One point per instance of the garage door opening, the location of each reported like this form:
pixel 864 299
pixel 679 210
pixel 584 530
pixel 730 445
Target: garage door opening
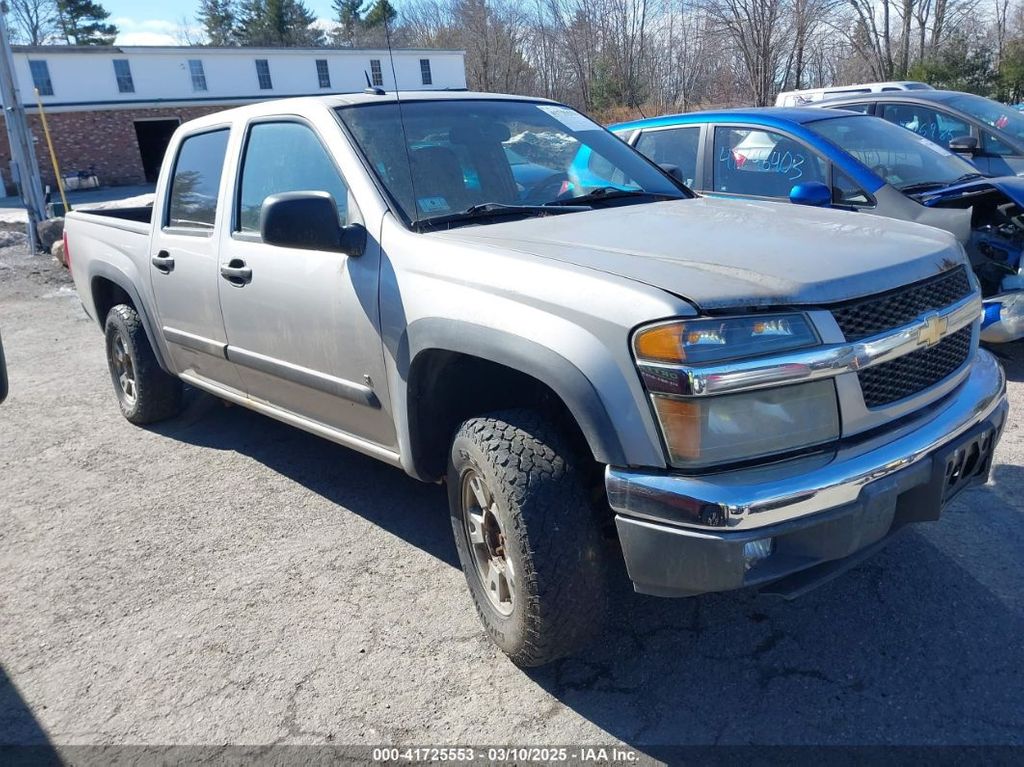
pixel 154 136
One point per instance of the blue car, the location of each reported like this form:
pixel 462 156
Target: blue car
pixel 858 163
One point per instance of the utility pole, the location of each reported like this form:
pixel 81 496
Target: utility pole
pixel 23 153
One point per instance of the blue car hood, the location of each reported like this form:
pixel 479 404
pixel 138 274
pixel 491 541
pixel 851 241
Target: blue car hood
pixel 1011 186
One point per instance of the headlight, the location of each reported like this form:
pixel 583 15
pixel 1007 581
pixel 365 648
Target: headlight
pixel 695 342
pixel 704 431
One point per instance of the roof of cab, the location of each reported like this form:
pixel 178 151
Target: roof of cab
pixel 766 116
pixel 297 105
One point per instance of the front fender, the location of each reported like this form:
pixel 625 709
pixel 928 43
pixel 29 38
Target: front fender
pixel 606 410
pixel 547 366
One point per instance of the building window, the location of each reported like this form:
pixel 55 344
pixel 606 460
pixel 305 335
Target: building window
pixel 263 73
pixel 123 73
pixel 425 72
pixel 376 76
pixel 322 73
pixel 41 77
pixel 195 68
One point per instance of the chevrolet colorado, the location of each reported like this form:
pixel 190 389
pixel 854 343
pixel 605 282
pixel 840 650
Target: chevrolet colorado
pixel 597 362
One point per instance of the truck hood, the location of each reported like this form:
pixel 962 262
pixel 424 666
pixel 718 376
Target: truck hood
pixel 728 253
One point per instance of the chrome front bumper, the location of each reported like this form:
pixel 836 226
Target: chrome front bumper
pixel 719 512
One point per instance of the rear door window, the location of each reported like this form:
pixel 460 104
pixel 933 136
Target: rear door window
pixel 673 146
pixel 762 163
pixel 861 108
pixel 195 184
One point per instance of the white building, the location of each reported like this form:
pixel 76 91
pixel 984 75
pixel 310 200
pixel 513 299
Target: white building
pixel 113 108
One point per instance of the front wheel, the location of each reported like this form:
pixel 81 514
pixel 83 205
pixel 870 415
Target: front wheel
pixel 528 539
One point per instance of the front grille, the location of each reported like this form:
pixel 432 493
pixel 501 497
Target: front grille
pixel 912 373
pixel 870 316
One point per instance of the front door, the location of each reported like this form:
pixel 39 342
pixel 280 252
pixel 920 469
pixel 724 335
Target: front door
pixel 302 325
pixel 750 161
pixel 183 261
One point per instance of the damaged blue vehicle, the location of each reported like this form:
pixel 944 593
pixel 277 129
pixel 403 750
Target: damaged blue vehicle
pixel 855 162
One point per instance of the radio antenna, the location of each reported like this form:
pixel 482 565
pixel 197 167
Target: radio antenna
pixel 373 90
pixel 401 115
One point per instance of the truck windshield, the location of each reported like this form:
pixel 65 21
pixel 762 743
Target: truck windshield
pixel 476 157
pixel 901 157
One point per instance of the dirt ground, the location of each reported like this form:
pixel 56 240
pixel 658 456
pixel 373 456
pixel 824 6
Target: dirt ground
pixel 223 578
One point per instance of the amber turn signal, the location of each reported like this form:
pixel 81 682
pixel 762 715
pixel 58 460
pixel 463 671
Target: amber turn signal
pixel 662 343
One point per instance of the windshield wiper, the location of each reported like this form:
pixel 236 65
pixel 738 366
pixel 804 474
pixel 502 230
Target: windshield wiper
pixel 494 209
pixel 927 186
pixel 612 193
pixel 966 177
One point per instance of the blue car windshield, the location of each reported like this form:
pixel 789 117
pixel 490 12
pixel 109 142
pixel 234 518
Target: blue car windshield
pixel 999 116
pixel 901 157
pixel 446 156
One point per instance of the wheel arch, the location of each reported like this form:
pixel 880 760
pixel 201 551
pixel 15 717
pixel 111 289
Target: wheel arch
pixel 510 370
pixel 109 286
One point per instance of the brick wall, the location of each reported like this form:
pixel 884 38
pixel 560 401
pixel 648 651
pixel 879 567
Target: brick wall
pixel 104 139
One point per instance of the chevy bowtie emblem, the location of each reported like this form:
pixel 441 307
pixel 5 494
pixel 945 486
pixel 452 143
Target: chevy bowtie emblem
pixel 933 330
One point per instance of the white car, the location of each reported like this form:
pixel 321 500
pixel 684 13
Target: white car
pixel 810 95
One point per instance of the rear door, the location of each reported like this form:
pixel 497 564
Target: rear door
pixel 303 325
pixel 183 259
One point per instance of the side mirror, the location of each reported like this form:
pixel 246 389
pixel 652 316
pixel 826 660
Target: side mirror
pixel 3 373
pixel 812 193
pixel 964 144
pixel 673 170
pixel 309 221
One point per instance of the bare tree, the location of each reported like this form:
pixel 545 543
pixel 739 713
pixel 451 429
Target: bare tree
pixel 34 22
pixel 760 30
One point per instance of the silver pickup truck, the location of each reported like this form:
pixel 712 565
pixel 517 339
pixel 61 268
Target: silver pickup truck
pixel 597 362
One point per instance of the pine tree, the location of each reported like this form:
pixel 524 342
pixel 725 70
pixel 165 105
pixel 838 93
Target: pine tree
pixel 286 23
pixel 220 21
pixel 82 22
pixel 382 13
pixel 349 18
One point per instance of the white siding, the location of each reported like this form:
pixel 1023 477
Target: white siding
pixel 86 79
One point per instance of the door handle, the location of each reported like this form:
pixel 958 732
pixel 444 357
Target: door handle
pixel 236 272
pixel 163 262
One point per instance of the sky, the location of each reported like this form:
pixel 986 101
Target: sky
pixel 159 22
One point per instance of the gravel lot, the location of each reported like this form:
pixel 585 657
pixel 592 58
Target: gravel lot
pixel 223 578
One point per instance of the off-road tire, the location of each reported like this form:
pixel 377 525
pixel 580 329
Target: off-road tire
pixel 157 394
pixel 551 529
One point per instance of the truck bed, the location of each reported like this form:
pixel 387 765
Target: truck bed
pixel 115 238
pixel 142 213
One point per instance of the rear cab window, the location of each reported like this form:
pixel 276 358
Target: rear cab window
pixel 195 182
